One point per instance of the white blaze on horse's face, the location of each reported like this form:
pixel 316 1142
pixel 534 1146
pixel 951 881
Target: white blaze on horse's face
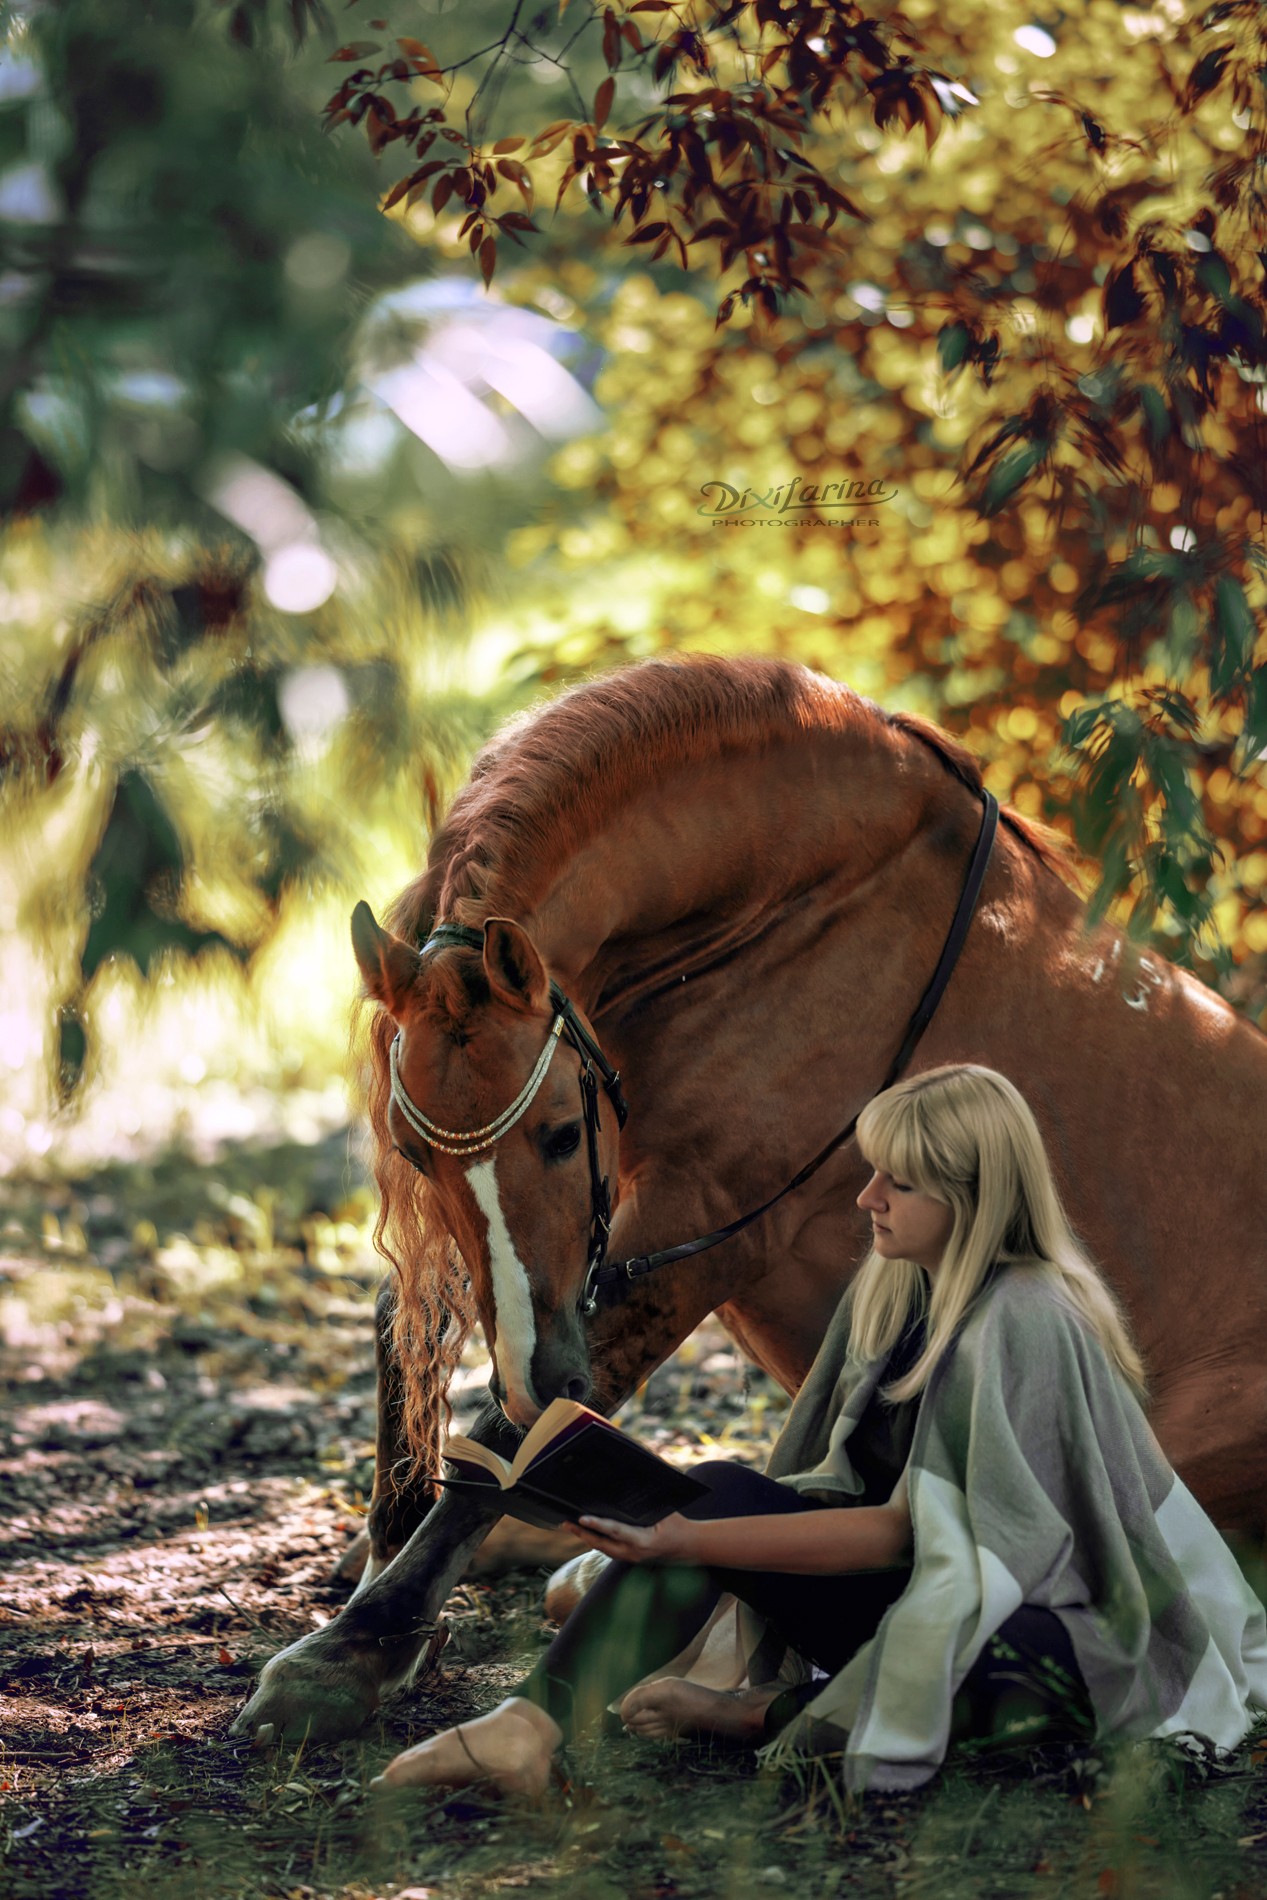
pixel 512 1298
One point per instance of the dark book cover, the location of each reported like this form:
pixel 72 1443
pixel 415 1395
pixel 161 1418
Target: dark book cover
pixel 591 1468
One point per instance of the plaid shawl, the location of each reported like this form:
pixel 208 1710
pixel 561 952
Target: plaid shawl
pixel 1033 1478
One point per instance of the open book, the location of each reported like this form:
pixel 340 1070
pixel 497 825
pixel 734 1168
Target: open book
pixel 572 1462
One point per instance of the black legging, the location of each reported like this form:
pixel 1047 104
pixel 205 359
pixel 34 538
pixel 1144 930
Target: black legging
pixel 637 1617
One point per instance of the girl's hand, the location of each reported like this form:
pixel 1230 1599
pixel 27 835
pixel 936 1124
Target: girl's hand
pixel 668 1542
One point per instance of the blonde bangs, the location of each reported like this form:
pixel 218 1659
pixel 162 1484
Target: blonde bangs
pixel 893 1137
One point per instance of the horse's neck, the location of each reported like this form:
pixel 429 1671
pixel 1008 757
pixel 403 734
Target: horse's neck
pixel 751 943
pixel 696 866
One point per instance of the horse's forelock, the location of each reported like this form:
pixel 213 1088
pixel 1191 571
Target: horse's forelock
pixel 450 990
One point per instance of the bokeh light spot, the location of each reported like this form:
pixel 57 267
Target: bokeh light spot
pixel 300 578
pixel 1034 39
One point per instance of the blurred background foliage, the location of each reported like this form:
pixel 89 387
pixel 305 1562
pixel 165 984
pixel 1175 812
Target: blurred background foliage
pixel 295 510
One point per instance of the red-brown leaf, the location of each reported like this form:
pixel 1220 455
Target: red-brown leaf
pixel 603 102
pixel 488 260
pixel 399 189
pixel 377 129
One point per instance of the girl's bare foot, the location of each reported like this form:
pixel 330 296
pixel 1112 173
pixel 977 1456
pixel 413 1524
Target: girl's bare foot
pixel 657 1711
pixel 511 1746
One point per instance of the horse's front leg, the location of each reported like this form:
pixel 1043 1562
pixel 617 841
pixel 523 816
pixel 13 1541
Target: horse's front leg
pixel 330 1682
pixel 402 1494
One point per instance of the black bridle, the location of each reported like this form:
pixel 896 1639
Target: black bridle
pixel 601 1273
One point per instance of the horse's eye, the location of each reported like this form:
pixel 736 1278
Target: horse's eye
pixel 414 1160
pixel 563 1142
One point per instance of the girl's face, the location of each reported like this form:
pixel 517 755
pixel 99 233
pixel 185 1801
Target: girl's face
pixel 905 1224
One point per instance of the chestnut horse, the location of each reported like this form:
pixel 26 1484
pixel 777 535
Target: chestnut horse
pixel 742 875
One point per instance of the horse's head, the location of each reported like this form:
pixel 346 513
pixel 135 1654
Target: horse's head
pixel 473 1026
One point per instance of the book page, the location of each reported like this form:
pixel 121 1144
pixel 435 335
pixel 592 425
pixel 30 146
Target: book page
pixel 459 1450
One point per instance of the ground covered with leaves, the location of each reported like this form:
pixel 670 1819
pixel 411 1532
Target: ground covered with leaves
pixel 186 1451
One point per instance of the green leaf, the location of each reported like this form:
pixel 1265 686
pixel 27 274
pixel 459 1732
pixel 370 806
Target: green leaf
pixel 1170 776
pixel 1156 415
pixel 1009 473
pixel 1080 725
pixel 1140 571
pixel 1176 706
pixel 1233 634
pixel 1185 629
pixel 1213 275
pixel 953 343
pixel 1107 800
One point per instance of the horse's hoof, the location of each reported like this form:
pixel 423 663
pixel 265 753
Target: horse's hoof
pixel 306 1695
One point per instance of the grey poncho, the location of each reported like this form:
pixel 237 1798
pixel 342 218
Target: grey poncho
pixel 1033 1478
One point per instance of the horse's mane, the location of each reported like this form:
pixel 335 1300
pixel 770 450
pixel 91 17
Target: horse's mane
pixel 1048 845
pixel 551 778
pixel 547 782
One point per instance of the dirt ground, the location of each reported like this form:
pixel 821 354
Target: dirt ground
pixel 185 1454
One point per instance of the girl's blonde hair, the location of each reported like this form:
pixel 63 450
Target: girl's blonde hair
pixel 965 1135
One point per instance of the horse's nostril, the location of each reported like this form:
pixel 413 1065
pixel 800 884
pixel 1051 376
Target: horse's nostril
pixel 578 1390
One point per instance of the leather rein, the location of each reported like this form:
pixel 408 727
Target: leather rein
pixel 602 1274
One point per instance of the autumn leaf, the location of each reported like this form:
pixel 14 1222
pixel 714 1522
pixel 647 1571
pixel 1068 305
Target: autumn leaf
pixel 1206 74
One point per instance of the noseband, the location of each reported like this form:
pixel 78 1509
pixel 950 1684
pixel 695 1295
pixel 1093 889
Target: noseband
pixel 566 1025
pixel 599 1274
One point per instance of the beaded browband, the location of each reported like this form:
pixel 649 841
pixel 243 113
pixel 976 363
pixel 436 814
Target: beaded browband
pixel 453 1141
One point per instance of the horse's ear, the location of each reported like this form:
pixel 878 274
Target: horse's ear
pixel 515 972
pixel 389 965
